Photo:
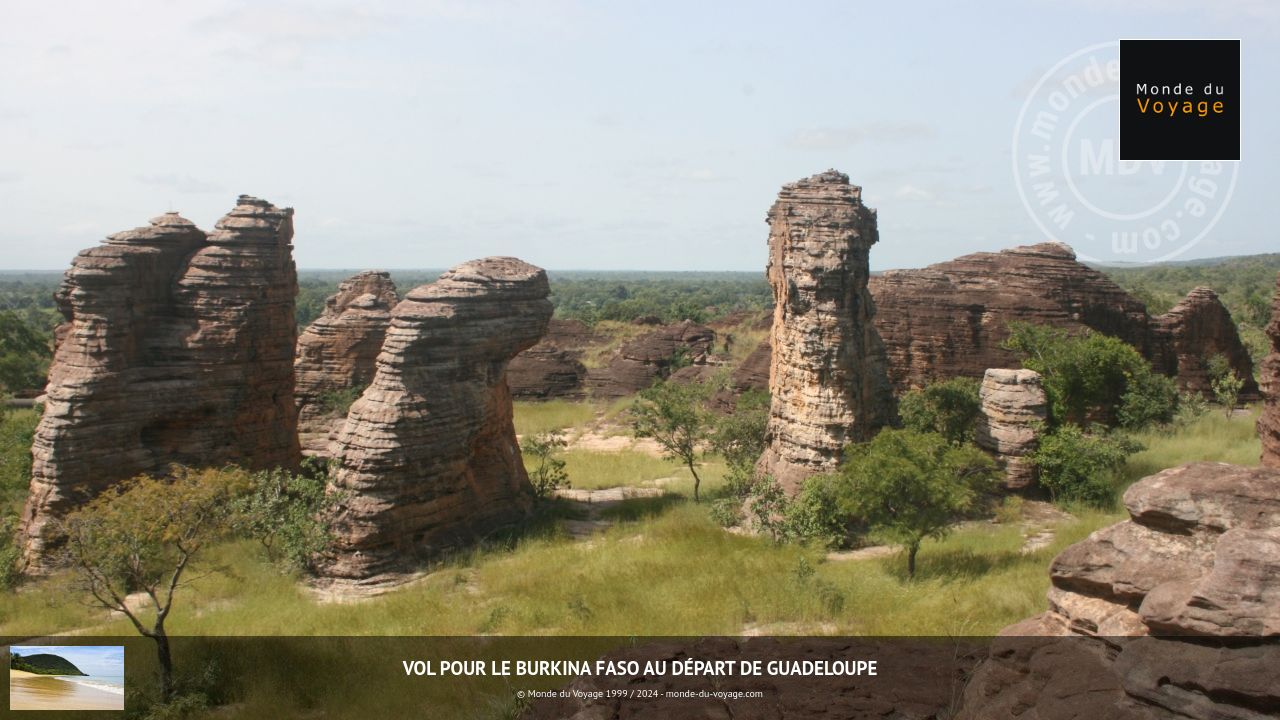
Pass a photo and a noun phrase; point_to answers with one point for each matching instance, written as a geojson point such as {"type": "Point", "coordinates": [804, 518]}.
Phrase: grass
{"type": "Point", "coordinates": [1211, 437]}
{"type": "Point", "coordinates": [536, 417]}
{"type": "Point", "coordinates": [615, 334]}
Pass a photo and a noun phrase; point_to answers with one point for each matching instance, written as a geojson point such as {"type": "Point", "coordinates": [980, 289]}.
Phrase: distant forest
{"type": "Point", "coordinates": [28, 315]}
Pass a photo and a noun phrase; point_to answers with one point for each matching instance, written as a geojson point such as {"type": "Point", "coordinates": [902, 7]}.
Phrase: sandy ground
{"type": "Point", "coordinates": [28, 691]}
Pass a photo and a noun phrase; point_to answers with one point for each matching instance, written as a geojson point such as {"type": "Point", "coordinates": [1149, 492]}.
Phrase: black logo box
{"type": "Point", "coordinates": [1187, 68]}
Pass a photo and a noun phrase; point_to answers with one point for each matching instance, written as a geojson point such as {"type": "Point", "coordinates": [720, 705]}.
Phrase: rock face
{"type": "Point", "coordinates": [337, 352]}
{"type": "Point", "coordinates": [428, 455]}
{"type": "Point", "coordinates": [950, 319]}
{"type": "Point", "coordinates": [827, 379]}
{"type": "Point", "coordinates": [177, 348]}
{"type": "Point", "coordinates": [553, 368]}
{"type": "Point", "coordinates": [1269, 423]}
{"type": "Point", "coordinates": [1172, 613]}
{"type": "Point", "coordinates": [1013, 407]}
{"type": "Point", "coordinates": [1193, 331]}
{"type": "Point", "coordinates": [650, 357]}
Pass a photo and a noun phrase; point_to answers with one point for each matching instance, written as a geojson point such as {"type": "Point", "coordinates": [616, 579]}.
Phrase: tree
{"type": "Point", "coordinates": [908, 485]}
{"type": "Point", "coordinates": [1079, 466]}
{"type": "Point", "coordinates": [142, 536]}
{"type": "Point", "coordinates": [739, 438]}
{"type": "Point", "coordinates": [1093, 378]}
{"type": "Point", "coordinates": [549, 473]}
{"type": "Point", "coordinates": [24, 354]}
{"type": "Point", "coordinates": [1224, 382]}
{"type": "Point", "coordinates": [287, 513]}
{"type": "Point", "coordinates": [675, 416]}
{"type": "Point", "coordinates": [947, 407]}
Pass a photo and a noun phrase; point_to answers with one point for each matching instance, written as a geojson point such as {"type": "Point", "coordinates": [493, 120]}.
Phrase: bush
{"type": "Point", "coordinates": [1076, 466]}
{"type": "Point", "coordinates": [739, 438]}
{"type": "Point", "coordinates": [286, 512]}
{"type": "Point", "coordinates": [10, 553]}
{"type": "Point", "coordinates": [1094, 378]}
{"type": "Point", "coordinates": [947, 407]}
{"type": "Point", "coordinates": [726, 512]}
{"type": "Point", "coordinates": [337, 403]}
{"type": "Point", "coordinates": [548, 472]}
{"type": "Point", "coordinates": [814, 515]}
{"type": "Point", "coordinates": [17, 430]}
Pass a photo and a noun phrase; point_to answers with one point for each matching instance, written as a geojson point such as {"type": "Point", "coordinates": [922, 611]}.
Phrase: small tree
{"type": "Point", "coordinates": [1224, 382]}
{"type": "Point", "coordinates": [947, 407]}
{"type": "Point", "coordinates": [548, 472]}
{"type": "Point", "coordinates": [739, 438]}
{"type": "Point", "coordinates": [675, 416]}
{"type": "Point", "coordinates": [287, 513]}
{"type": "Point", "coordinates": [909, 485]}
{"type": "Point", "coordinates": [142, 535]}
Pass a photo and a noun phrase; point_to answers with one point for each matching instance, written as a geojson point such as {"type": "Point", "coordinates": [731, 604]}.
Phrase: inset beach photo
{"type": "Point", "coordinates": [66, 677]}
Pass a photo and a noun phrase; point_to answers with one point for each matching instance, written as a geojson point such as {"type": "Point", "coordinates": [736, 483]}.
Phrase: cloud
{"type": "Point", "coordinates": [184, 184]}
{"type": "Point", "coordinates": [834, 138]}
{"type": "Point", "coordinates": [911, 192]}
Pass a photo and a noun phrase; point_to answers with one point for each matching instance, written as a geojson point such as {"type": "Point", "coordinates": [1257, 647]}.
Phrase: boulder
{"type": "Point", "coordinates": [1013, 412]}
{"type": "Point", "coordinates": [337, 352]}
{"type": "Point", "coordinates": [650, 357]}
{"type": "Point", "coordinates": [1174, 613]}
{"type": "Point", "coordinates": [176, 347]}
{"type": "Point", "coordinates": [827, 379]}
{"type": "Point", "coordinates": [427, 458]}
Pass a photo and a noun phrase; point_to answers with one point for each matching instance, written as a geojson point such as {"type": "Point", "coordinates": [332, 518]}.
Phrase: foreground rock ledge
{"type": "Point", "coordinates": [827, 379]}
{"type": "Point", "coordinates": [1174, 613]}
{"type": "Point", "coordinates": [177, 347]}
{"type": "Point", "coordinates": [428, 455]}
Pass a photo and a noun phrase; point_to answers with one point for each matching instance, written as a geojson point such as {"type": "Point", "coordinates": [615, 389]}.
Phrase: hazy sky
{"type": "Point", "coordinates": [597, 135]}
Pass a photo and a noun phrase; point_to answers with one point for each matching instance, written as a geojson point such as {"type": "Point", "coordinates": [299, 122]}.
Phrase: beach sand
{"type": "Point", "coordinates": [28, 691]}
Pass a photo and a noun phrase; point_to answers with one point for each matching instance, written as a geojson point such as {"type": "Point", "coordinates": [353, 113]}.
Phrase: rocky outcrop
{"type": "Point", "coordinates": [177, 347]}
{"type": "Point", "coordinates": [1013, 412]}
{"type": "Point", "coordinates": [1269, 422]}
{"type": "Point", "coordinates": [553, 368]}
{"type": "Point", "coordinates": [1188, 336]}
{"type": "Point", "coordinates": [1174, 613]}
{"type": "Point", "coordinates": [336, 354]}
{"type": "Point", "coordinates": [951, 319]}
{"type": "Point", "coordinates": [827, 379]}
{"type": "Point", "coordinates": [651, 357]}
{"type": "Point", "coordinates": [427, 457]}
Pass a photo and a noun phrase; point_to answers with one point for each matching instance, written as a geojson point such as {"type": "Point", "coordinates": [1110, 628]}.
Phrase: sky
{"type": "Point", "coordinates": [91, 659]}
{"type": "Point", "coordinates": [575, 135]}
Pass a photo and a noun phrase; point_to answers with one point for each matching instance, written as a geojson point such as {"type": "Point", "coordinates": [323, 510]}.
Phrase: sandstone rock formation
{"type": "Point", "coordinates": [427, 457]}
{"type": "Point", "coordinates": [1174, 613]}
{"type": "Point", "coordinates": [177, 348]}
{"type": "Point", "coordinates": [1190, 334]}
{"type": "Point", "coordinates": [1269, 423]}
{"type": "Point", "coordinates": [1014, 407]}
{"type": "Point", "coordinates": [827, 380]}
{"type": "Point", "coordinates": [336, 353]}
{"type": "Point", "coordinates": [650, 357]}
{"type": "Point", "coordinates": [553, 368]}
{"type": "Point", "coordinates": [950, 319]}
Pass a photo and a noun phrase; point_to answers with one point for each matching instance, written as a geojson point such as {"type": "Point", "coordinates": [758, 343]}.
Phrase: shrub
{"type": "Point", "coordinates": [1224, 382]}
{"type": "Point", "coordinates": [947, 407]}
{"type": "Point", "coordinates": [1093, 377]}
{"type": "Point", "coordinates": [739, 438]}
{"type": "Point", "coordinates": [337, 403]}
{"type": "Point", "coordinates": [1079, 466]}
{"type": "Point", "coordinates": [908, 486]}
{"type": "Point", "coordinates": [726, 512]}
{"type": "Point", "coordinates": [287, 513]}
{"type": "Point", "coordinates": [9, 552]}
{"type": "Point", "coordinates": [814, 514]}
{"type": "Point", "coordinates": [676, 417]}
{"type": "Point", "coordinates": [548, 472]}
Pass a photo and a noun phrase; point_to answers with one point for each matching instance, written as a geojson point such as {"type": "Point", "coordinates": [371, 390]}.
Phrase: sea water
{"type": "Point", "coordinates": [110, 683]}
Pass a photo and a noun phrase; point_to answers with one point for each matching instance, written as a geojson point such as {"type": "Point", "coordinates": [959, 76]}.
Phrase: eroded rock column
{"type": "Point", "coordinates": [428, 455]}
{"type": "Point", "coordinates": [1013, 411]}
{"type": "Point", "coordinates": [827, 376]}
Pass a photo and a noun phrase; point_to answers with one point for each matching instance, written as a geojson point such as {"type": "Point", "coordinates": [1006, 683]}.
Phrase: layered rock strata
{"type": "Point", "coordinates": [553, 368]}
{"type": "Point", "coordinates": [336, 354]}
{"type": "Point", "coordinates": [1195, 330]}
{"type": "Point", "coordinates": [1012, 414]}
{"type": "Point", "coordinates": [427, 458]}
{"type": "Point", "coordinates": [827, 377]}
{"type": "Point", "coordinates": [1174, 613]}
{"type": "Point", "coordinates": [650, 357]}
{"type": "Point", "coordinates": [177, 347]}
{"type": "Point", "coordinates": [1269, 422]}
